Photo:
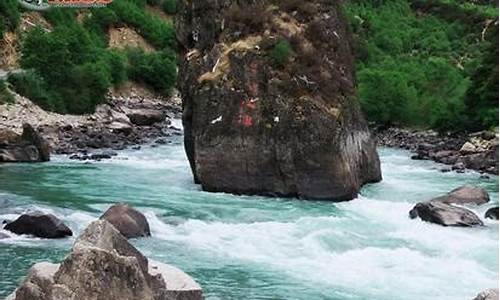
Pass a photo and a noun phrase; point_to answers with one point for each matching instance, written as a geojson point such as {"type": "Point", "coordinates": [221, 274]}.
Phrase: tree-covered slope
{"type": "Point", "coordinates": [427, 63]}
{"type": "Point", "coordinates": [70, 67]}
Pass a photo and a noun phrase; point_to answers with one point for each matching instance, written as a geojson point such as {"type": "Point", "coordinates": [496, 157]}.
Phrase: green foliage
{"type": "Point", "coordinates": [58, 16]}
{"type": "Point", "coordinates": [9, 15]}
{"type": "Point", "coordinates": [5, 95]}
{"type": "Point", "coordinates": [33, 87]}
{"type": "Point", "coordinates": [482, 97]}
{"type": "Point", "coordinates": [69, 64]}
{"type": "Point", "coordinates": [158, 70]}
{"type": "Point", "coordinates": [169, 6]}
{"type": "Point", "coordinates": [71, 68]}
{"type": "Point", "coordinates": [152, 28]}
{"type": "Point", "coordinates": [281, 52]}
{"type": "Point", "coordinates": [414, 71]}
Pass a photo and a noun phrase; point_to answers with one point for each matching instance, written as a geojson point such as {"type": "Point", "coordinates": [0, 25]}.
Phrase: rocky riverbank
{"type": "Point", "coordinates": [476, 151]}
{"type": "Point", "coordinates": [129, 118]}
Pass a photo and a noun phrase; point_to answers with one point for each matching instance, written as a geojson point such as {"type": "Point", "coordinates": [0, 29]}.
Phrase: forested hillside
{"type": "Point", "coordinates": [70, 66]}
{"type": "Point", "coordinates": [427, 63]}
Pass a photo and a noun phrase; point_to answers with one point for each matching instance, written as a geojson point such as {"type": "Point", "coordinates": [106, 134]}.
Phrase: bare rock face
{"type": "Point", "coordinates": [28, 147]}
{"type": "Point", "coordinates": [466, 194]}
{"type": "Point", "coordinates": [257, 122]}
{"type": "Point", "coordinates": [40, 225]}
{"type": "Point", "coordinates": [127, 220]}
{"type": "Point", "coordinates": [104, 265]}
{"type": "Point", "coordinates": [445, 214]}
{"type": "Point", "coordinates": [489, 294]}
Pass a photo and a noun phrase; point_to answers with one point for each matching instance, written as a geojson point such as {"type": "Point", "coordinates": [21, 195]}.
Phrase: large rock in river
{"type": "Point", "coordinates": [27, 147]}
{"type": "Point", "coordinates": [127, 220]}
{"type": "Point", "coordinates": [269, 99]}
{"type": "Point", "coordinates": [40, 225]}
{"type": "Point", "coordinates": [445, 214]}
{"type": "Point", "coordinates": [104, 265]}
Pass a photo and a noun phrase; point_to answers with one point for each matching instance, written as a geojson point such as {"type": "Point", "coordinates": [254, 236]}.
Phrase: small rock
{"type": "Point", "coordinates": [445, 214]}
{"type": "Point", "coordinates": [492, 213]}
{"type": "Point", "coordinates": [466, 194]}
{"type": "Point", "coordinates": [488, 135]}
{"type": "Point", "coordinates": [99, 156]}
{"type": "Point", "coordinates": [161, 141]}
{"type": "Point", "coordinates": [118, 127]}
{"type": "Point", "coordinates": [146, 117]}
{"type": "Point", "coordinates": [40, 225]}
{"type": "Point", "coordinates": [468, 148]}
{"type": "Point", "coordinates": [130, 222]}
{"type": "Point", "coordinates": [458, 166]}
{"type": "Point", "coordinates": [136, 147]}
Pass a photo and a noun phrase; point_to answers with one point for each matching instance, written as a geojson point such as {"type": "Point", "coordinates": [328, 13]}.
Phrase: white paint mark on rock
{"type": "Point", "coordinates": [219, 119]}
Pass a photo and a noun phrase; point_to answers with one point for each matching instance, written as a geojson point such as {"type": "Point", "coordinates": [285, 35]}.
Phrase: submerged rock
{"type": "Point", "coordinates": [3, 236]}
{"type": "Point", "coordinates": [492, 213]}
{"type": "Point", "coordinates": [27, 147]}
{"type": "Point", "coordinates": [104, 265]}
{"type": "Point", "coordinates": [254, 127]}
{"type": "Point", "coordinates": [489, 294]}
{"type": "Point", "coordinates": [467, 194]}
{"type": "Point", "coordinates": [130, 222]}
{"type": "Point", "coordinates": [40, 225]}
{"type": "Point", "coordinates": [444, 214]}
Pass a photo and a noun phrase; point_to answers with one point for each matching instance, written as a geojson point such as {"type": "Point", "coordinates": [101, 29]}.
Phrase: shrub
{"type": "Point", "coordinates": [69, 64]}
{"type": "Point", "coordinates": [281, 52]}
{"type": "Point", "coordinates": [33, 87]}
{"type": "Point", "coordinates": [5, 95]}
{"type": "Point", "coordinates": [170, 6]}
{"type": "Point", "coordinates": [155, 69]}
{"type": "Point", "coordinates": [9, 15]}
{"type": "Point", "coordinates": [115, 61]}
{"type": "Point", "coordinates": [152, 28]}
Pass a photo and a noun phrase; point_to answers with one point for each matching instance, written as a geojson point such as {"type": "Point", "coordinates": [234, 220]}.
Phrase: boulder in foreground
{"type": "Point", "coordinates": [40, 225]}
{"type": "Point", "coordinates": [27, 147]}
{"type": "Point", "coordinates": [104, 265]}
{"type": "Point", "coordinates": [445, 214]}
{"type": "Point", "coordinates": [466, 194]}
{"type": "Point", "coordinates": [127, 220]}
{"type": "Point", "coordinates": [489, 294]}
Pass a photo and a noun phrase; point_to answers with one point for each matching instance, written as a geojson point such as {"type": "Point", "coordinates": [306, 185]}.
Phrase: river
{"type": "Point", "coordinates": [242, 247]}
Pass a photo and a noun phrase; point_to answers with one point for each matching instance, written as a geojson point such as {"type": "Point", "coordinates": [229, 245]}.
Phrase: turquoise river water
{"type": "Point", "coordinates": [241, 247]}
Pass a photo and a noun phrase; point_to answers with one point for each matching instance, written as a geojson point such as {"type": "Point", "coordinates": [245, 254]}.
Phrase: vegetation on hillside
{"type": "Point", "coordinates": [71, 67]}
{"type": "Point", "coordinates": [9, 15]}
{"type": "Point", "coordinates": [424, 70]}
{"type": "Point", "coordinates": [5, 95]}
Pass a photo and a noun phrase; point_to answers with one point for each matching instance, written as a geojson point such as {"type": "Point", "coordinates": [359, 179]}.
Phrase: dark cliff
{"type": "Point", "coordinates": [269, 99]}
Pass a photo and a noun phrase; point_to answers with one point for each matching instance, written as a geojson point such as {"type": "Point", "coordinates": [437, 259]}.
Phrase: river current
{"type": "Point", "coordinates": [242, 247]}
